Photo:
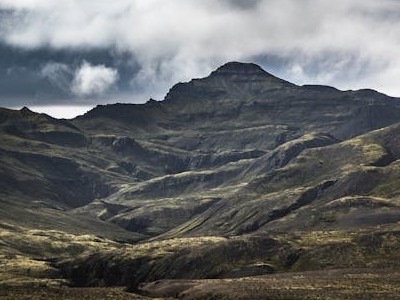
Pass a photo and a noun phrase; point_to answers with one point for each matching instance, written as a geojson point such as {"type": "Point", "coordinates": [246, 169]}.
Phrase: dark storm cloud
{"type": "Point", "coordinates": [44, 76]}
{"type": "Point", "coordinates": [142, 47]}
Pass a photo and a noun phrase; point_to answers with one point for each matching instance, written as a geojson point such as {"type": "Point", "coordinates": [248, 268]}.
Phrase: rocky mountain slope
{"type": "Point", "coordinates": [233, 175]}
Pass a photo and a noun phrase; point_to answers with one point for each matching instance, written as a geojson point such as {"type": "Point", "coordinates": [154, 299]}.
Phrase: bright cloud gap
{"type": "Point", "coordinates": [60, 111]}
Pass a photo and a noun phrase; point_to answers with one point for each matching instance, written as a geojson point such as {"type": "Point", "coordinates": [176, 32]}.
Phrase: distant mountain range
{"type": "Point", "coordinates": [233, 175]}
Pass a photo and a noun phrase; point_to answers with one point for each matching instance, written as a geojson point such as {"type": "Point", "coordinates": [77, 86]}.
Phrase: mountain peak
{"type": "Point", "coordinates": [234, 67]}
{"type": "Point", "coordinates": [232, 77]}
{"type": "Point", "coordinates": [26, 112]}
{"type": "Point", "coordinates": [249, 72]}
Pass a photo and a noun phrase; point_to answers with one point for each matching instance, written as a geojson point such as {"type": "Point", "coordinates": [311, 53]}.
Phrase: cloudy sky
{"type": "Point", "coordinates": [64, 56]}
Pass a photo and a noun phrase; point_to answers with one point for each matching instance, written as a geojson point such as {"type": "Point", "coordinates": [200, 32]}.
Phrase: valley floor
{"type": "Point", "coordinates": [330, 284]}
{"type": "Point", "coordinates": [36, 293]}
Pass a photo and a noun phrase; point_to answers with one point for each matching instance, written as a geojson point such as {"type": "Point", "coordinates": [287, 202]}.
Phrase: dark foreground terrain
{"type": "Point", "coordinates": [239, 185]}
{"type": "Point", "coordinates": [334, 284]}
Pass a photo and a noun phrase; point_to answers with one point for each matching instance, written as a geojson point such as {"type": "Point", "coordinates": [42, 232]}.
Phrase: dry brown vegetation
{"type": "Point", "coordinates": [334, 284]}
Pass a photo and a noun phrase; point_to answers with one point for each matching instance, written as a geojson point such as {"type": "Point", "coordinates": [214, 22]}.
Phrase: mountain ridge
{"type": "Point", "coordinates": [233, 175]}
